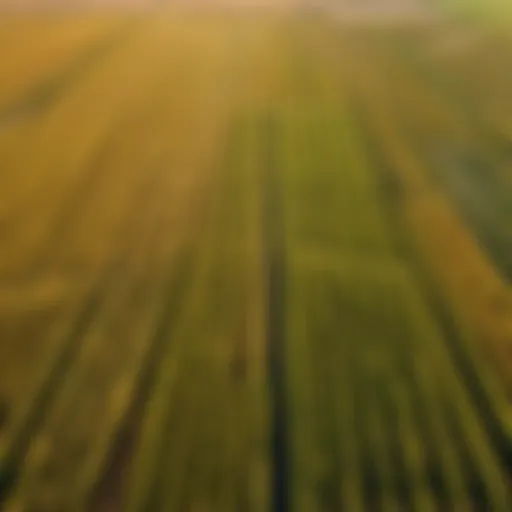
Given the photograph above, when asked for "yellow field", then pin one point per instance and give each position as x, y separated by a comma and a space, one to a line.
254, 262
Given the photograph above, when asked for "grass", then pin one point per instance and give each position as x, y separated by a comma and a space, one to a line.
229, 235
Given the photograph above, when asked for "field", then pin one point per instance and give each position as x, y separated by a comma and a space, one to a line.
254, 261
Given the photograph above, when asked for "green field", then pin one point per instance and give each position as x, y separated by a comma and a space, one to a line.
254, 262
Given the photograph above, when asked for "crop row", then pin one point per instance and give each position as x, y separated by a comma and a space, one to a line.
379, 415
203, 441
115, 242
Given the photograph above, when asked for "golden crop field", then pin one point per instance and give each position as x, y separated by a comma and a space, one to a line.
254, 261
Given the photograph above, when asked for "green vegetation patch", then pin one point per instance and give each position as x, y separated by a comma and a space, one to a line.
330, 195
378, 415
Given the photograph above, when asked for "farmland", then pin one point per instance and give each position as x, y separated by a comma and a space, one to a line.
254, 262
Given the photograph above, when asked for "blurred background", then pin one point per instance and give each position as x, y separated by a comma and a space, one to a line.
255, 255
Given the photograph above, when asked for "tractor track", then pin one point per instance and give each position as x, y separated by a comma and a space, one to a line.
274, 263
